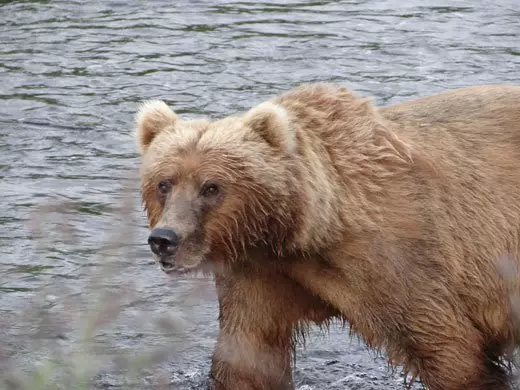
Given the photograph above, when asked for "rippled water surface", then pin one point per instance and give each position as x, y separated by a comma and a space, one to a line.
71, 76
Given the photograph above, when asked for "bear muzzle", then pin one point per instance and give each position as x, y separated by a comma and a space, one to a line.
163, 242
173, 253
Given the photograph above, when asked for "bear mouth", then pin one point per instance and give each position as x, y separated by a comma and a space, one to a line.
186, 259
181, 265
171, 268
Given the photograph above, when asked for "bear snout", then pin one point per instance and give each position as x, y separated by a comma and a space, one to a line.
164, 242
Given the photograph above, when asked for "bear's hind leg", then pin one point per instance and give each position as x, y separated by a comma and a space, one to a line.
497, 374
460, 363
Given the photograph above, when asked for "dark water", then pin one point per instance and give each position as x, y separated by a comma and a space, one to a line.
71, 76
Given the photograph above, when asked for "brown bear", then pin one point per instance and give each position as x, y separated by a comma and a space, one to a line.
317, 205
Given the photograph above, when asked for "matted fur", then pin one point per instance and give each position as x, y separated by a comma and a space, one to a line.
392, 219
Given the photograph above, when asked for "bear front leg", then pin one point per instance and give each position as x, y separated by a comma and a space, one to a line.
242, 362
257, 320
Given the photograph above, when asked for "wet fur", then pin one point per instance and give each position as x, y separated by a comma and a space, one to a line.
393, 219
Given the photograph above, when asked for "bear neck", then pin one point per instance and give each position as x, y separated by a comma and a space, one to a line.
352, 173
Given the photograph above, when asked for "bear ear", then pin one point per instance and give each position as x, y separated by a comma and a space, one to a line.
152, 117
272, 123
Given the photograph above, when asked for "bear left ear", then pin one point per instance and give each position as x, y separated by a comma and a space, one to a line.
152, 117
272, 123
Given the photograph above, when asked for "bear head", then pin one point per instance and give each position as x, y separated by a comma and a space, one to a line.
215, 189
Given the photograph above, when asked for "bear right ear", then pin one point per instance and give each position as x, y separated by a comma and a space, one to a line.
271, 122
152, 117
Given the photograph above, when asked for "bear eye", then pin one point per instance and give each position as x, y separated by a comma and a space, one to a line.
210, 189
164, 187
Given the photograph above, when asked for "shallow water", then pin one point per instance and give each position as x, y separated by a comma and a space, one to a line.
71, 76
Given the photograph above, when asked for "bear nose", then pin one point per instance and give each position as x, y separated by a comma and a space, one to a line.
163, 242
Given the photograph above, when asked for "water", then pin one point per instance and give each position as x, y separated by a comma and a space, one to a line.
71, 76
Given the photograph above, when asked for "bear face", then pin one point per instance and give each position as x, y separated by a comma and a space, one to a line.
209, 187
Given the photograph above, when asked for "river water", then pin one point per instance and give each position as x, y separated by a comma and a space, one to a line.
73, 232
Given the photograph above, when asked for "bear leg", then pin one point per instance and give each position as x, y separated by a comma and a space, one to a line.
458, 361
254, 346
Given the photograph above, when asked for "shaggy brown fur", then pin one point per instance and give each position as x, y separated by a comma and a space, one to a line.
393, 219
